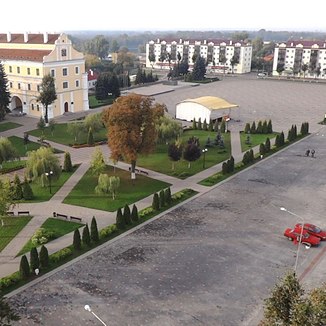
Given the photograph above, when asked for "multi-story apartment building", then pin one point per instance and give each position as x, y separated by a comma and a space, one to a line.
220, 55
27, 58
301, 59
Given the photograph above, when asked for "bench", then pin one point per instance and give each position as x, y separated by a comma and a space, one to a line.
60, 215
79, 219
139, 171
23, 212
10, 213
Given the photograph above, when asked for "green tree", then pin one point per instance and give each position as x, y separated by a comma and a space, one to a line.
269, 127
120, 221
44, 257
97, 163
223, 126
191, 153
210, 125
7, 314
127, 215
205, 125
93, 121
216, 126
75, 128
52, 125
262, 149
86, 239
67, 165
134, 213
199, 124
253, 128
224, 168
194, 124
168, 197
90, 137
267, 145
168, 129
156, 202
174, 153
6, 200
34, 260
199, 69
47, 94
107, 184
259, 129
4, 93
151, 58
40, 162
94, 231
27, 190
24, 270
162, 198
77, 240
7, 151
17, 189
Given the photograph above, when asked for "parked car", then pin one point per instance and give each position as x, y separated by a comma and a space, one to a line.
313, 230
307, 239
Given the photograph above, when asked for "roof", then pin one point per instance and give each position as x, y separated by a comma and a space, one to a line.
24, 55
211, 102
32, 38
303, 43
92, 75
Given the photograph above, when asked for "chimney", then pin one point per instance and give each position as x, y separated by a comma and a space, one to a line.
180, 41
158, 40
230, 42
25, 37
45, 37
8, 37
205, 42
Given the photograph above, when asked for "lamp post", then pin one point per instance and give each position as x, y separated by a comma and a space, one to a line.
301, 233
204, 152
88, 308
49, 176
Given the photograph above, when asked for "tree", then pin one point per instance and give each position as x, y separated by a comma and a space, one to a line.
67, 165
120, 221
6, 200
86, 239
17, 190
267, 145
24, 270
27, 190
44, 257
94, 231
199, 70
77, 240
90, 137
52, 125
93, 121
34, 260
262, 149
7, 314
175, 152
279, 306
156, 202
7, 151
47, 94
247, 128
40, 162
168, 129
4, 93
168, 197
151, 58
131, 127
191, 153
162, 198
75, 129
127, 215
134, 213
97, 163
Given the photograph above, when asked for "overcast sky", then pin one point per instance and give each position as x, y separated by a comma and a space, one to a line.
63, 15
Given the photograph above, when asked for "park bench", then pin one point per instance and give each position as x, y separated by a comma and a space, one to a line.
79, 219
60, 215
10, 213
23, 212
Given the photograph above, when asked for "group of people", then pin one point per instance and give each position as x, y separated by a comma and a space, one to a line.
312, 152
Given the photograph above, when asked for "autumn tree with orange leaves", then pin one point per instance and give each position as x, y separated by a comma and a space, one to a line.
131, 127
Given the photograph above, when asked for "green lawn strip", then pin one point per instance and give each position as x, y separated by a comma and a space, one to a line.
58, 227
129, 192
218, 177
22, 150
159, 160
13, 281
43, 193
255, 139
8, 125
94, 103
11, 166
61, 135
12, 225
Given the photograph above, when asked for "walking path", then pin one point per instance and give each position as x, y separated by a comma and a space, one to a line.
41, 211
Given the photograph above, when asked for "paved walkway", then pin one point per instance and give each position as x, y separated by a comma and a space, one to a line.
41, 211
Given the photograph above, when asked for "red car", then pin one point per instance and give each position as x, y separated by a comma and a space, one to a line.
312, 229
307, 239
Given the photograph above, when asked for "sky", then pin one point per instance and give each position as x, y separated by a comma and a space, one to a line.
141, 15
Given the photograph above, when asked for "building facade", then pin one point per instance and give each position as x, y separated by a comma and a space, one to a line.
220, 55
27, 58
300, 59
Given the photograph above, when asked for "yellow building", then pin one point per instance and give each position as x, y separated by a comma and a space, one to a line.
27, 58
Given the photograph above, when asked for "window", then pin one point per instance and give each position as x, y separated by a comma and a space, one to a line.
18, 70
52, 73
29, 86
64, 52
37, 107
65, 84
38, 88
28, 71
76, 70
33, 107
77, 83
10, 84
64, 72
37, 71
10, 68
18, 85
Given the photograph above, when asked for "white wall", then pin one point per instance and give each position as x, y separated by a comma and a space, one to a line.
189, 110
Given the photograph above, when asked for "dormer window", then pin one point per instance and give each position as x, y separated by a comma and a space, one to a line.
64, 52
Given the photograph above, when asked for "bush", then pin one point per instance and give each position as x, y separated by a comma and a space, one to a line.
156, 202
120, 221
224, 168
134, 214
90, 137
17, 190
42, 236
167, 194
67, 165
146, 211
107, 231
162, 198
8, 281
27, 190
126, 215
86, 239
77, 240
60, 255
94, 231
267, 145
262, 149
24, 268
34, 260
44, 257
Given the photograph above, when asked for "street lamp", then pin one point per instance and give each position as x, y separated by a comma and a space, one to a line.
204, 152
49, 176
301, 234
88, 308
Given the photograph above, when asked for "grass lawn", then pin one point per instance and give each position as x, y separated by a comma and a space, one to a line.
9, 125
43, 193
255, 139
94, 103
12, 226
160, 162
84, 194
18, 143
58, 227
61, 136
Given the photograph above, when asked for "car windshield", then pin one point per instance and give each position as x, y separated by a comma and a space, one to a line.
316, 229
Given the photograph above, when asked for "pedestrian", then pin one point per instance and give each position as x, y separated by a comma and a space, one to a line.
307, 152
312, 153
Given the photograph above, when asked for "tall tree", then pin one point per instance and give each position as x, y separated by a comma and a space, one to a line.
199, 70
4, 93
97, 163
191, 153
168, 129
47, 94
7, 151
6, 199
94, 231
131, 127
175, 153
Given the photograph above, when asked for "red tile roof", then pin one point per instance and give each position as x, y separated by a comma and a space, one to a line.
304, 43
32, 38
27, 55
92, 75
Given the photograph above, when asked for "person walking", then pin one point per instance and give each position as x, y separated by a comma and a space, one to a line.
307, 152
313, 153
